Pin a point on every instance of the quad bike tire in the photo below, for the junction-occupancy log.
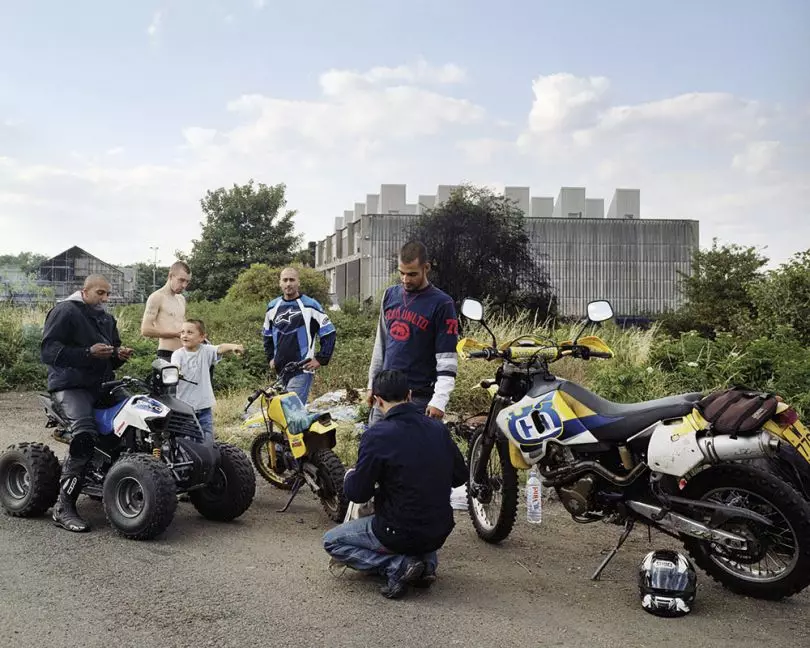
(139, 496)
(29, 479)
(331, 473)
(765, 488)
(263, 467)
(231, 490)
(497, 529)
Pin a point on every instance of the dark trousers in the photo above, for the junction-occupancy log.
(75, 406)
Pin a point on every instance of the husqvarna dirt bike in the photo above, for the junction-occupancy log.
(661, 463)
(296, 447)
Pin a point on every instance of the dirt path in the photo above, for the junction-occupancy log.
(263, 581)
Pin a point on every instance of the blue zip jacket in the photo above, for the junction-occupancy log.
(414, 462)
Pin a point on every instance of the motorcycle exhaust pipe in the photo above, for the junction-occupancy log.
(718, 449)
(568, 474)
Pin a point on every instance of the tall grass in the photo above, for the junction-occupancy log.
(648, 363)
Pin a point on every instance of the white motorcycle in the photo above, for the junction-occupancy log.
(680, 464)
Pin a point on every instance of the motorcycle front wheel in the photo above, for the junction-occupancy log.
(493, 504)
(776, 563)
(260, 455)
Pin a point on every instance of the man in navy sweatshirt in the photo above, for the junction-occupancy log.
(417, 334)
(413, 462)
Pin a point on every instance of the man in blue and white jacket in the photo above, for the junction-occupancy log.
(291, 325)
(417, 334)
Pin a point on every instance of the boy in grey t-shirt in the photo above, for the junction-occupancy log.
(195, 359)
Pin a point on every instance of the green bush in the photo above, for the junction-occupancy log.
(260, 284)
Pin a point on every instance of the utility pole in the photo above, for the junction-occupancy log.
(154, 267)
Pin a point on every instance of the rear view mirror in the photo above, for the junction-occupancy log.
(599, 311)
(473, 310)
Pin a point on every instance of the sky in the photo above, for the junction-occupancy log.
(117, 116)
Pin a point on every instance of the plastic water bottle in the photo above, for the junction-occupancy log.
(534, 498)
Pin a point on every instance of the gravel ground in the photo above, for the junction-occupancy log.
(263, 580)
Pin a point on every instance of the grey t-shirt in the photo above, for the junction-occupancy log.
(194, 368)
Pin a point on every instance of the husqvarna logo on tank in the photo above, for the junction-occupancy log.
(523, 422)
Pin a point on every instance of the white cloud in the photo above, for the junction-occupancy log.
(259, 4)
(199, 137)
(154, 26)
(710, 156)
(563, 101)
(757, 157)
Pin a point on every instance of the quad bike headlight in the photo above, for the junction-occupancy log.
(170, 375)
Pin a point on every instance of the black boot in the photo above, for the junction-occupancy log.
(64, 511)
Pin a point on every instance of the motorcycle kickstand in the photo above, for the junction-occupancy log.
(299, 481)
(628, 527)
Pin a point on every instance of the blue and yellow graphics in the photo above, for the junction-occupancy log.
(534, 420)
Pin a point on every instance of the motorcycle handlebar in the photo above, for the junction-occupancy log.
(486, 354)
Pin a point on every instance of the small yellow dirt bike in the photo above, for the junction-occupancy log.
(296, 447)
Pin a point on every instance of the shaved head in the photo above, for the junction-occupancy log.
(95, 280)
(96, 290)
(290, 283)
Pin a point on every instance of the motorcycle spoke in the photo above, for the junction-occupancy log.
(781, 550)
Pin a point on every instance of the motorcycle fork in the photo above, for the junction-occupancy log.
(488, 440)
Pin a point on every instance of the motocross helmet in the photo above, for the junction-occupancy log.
(667, 583)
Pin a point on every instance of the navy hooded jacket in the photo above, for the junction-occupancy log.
(415, 463)
(71, 328)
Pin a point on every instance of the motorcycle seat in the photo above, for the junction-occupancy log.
(620, 421)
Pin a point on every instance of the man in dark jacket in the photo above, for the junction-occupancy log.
(82, 348)
(414, 463)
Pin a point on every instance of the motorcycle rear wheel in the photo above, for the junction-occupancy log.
(778, 563)
(494, 514)
(331, 473)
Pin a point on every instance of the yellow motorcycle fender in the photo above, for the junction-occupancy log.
(796, 434)
(320, 428)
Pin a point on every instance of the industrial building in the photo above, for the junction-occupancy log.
(65, 273)
(590, 253)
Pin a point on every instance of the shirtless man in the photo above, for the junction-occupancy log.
(166, 311)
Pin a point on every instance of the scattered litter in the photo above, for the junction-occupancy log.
(343, 405)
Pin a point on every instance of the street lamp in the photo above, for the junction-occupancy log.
(154, 267)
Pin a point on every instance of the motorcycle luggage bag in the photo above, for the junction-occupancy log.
(738, 410)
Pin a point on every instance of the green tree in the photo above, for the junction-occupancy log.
(144, 278)
(28, 262)
(244, 225)
(479, 248)
(717, 295)
(783, 297)
(259, 283)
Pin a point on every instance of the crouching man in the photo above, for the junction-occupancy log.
(414, 463)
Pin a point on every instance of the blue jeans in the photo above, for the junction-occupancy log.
(300, 384)
(355, 544)
(206, 419)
